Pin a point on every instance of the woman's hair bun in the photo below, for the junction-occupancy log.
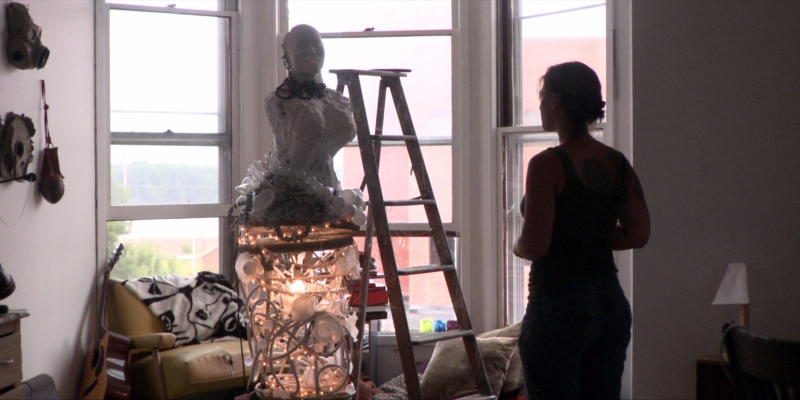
(578, 89)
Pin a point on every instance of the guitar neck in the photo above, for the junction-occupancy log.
(101, 327)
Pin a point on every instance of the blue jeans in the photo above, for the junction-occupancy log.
(573, 340)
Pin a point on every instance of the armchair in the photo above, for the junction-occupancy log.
(159, 371)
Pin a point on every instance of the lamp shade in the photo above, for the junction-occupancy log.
(733, 289)
(7, 285)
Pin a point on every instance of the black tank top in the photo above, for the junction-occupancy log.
(583, 229)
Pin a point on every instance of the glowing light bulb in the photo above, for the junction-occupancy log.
(297, 287)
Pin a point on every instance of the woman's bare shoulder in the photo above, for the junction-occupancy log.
(545, 162)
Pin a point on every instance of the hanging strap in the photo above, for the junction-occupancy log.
(46, 127)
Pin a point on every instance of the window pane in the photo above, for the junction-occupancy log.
(163, 247)
(425, 296)
(519, 150)
(156, 122)
(427, 87)
(166, 72)
(557, 32)
(358, 15)
(152, 175)
(208, 5)
(396, 181)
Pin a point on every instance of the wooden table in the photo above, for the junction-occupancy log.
(11, 356)
(712, 382)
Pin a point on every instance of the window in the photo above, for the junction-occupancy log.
(541, 34)
(415, 35)
(166, 130)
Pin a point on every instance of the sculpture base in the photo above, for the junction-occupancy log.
(318, 239)
(261, 394)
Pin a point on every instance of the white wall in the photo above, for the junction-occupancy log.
(716, 144)
(50, 249)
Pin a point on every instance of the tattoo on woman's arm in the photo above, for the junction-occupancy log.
(595, 174)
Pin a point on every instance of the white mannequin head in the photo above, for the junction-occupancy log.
(304, 53)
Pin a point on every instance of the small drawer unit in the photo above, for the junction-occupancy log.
(11, 356)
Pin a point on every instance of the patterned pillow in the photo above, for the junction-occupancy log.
(393, 389)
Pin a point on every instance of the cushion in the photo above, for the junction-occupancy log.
(514, 378)
(193, 369)
(127, 315)
(448, 375)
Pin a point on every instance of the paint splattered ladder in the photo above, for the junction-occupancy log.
(377, 224)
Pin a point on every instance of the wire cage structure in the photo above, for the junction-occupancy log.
(300, 329)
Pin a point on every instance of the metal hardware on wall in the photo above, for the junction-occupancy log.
(16, 147)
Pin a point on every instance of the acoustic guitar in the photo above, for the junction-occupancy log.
(105, 369)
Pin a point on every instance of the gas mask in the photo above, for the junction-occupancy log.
(24, 49)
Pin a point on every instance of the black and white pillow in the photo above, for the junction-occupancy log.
(196, 309)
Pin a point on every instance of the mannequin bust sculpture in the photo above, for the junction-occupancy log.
(296, 185)
(311, 123)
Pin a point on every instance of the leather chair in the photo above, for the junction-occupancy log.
(159, 371)
(762, 367)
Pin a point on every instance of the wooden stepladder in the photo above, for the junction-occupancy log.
(378, 225)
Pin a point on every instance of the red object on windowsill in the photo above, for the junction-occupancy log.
(357, 285)
(377, 294)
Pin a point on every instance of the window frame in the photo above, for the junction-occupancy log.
(408, 229)
(227, 141)
(283, 28)
(510, 130)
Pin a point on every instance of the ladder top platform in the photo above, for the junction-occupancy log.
(373, 72)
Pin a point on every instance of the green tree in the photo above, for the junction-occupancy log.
(115, 229)
(144, 259)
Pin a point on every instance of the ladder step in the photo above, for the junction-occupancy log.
(478, 396)
(425, 269)
(394, 73)
(418, 338)
(393, 138)
(412, 202)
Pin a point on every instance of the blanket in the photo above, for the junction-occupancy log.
(196, 309)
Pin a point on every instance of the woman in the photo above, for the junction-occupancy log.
(583, 200)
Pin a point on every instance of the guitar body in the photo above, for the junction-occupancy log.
(118, 383)
(105, 368)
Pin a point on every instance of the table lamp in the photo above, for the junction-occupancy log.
(733, 290)
(7, 287)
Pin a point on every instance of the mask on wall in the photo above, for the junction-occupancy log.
(16, 146)
(24, 49)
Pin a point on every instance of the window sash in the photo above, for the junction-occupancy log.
(423, 140)
(513, 187)
(227, 140)
(223, 140)
(512, 135)
(404, 229)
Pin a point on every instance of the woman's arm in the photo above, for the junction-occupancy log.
(541, 186)
(633, 228)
